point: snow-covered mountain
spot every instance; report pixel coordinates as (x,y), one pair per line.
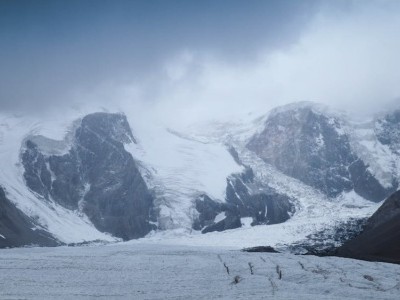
(314,147)
(277,179)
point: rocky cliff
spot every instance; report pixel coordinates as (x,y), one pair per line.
(96,176)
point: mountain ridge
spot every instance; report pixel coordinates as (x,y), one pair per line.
(177,167)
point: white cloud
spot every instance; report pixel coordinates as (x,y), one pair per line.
(346,59)
(350,61)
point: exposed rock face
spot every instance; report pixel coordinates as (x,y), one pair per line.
(381,238)
(307,146)
(267,207)
(243,200)
(208,210)
(311,146)
(96,175)
(16,229)
(230,222)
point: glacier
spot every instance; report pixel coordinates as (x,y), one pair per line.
(146,271)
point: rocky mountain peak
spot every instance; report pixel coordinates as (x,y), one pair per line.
(96,176)
(111,126)
(307,145)
(307,142)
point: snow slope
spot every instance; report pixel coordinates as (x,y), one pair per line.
(175,272)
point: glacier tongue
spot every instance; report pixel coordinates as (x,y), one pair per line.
(179,169)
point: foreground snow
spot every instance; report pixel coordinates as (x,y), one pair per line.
(144,271)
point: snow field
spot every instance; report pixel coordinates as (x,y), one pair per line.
(146,271)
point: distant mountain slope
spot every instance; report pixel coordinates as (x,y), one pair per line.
(381,238)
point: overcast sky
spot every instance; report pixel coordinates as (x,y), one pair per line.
(214,58)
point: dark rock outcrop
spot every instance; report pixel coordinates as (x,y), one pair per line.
(17,229)
(266,207)
(380,240)
(243,199)
(96,175)
(231,221)
(208,210)
(258,249)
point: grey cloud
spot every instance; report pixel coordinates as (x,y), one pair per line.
(200,60)
(51,49)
